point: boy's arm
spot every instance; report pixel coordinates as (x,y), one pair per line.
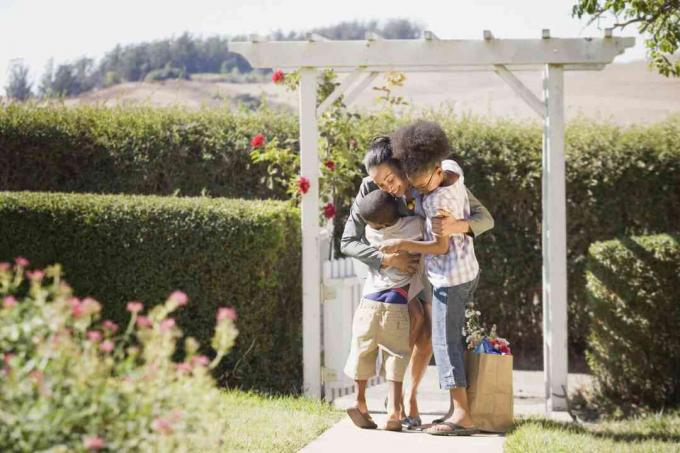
(438,246)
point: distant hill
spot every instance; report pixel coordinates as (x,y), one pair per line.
(624,93)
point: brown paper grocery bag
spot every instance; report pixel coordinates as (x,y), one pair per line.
(489,378)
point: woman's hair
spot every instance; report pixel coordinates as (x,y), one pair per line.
(379,152)
(419,146)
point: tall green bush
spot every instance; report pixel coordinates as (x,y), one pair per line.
(117,248)
(620,180)
(634,345)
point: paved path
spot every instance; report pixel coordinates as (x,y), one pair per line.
(344,437)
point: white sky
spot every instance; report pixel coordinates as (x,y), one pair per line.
(35,30)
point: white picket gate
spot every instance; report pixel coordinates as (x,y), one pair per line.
(342,281)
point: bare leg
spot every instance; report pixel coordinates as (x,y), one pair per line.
(420,359)
(394,401)
(361,396)
(459,413)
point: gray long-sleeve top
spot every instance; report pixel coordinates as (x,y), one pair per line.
(354,244)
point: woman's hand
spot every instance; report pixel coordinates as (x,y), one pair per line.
(445,225)
(403,262)
(391,246)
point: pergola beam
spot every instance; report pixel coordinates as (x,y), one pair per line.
(522,91)
(337,92)
(414,53)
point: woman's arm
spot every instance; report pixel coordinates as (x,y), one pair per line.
(353,245)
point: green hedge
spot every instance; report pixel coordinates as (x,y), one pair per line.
(620,181)
(135,150)
(118,248)
(634,347)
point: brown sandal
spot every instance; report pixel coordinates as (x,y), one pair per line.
(453,430)
(393,425)
(361,420)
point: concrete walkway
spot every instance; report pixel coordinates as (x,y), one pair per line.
(344,437)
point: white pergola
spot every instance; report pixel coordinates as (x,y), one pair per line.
(363,61)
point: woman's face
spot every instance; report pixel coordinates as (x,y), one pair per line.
(389,179)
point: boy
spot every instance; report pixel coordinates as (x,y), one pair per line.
(450,261)
(382,320)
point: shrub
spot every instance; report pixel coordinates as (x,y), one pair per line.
(159,151)
(70,382)
(634,343)
(118,248)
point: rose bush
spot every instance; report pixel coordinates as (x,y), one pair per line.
(72,382)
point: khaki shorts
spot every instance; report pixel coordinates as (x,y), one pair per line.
(379,328)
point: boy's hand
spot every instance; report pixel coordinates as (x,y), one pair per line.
(391,246)
(445,225)
(402,261)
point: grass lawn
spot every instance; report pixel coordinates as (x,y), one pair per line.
(655,433)
(274,424)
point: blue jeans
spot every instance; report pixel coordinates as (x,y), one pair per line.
(448,342)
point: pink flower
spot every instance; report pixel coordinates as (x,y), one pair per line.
(94,335)
(106,346)
(143,321)
(184,367)
(21,261)
(110,326)
(329,210)
(36,275)
(91,306)
(167,324)
(162,425)
(278,76)
(134,306)
(77,310)
(93,443)
(226,313)
(9,302)
(7,357)
(4,266)
(329,164)
(257,141)
(303,185)
(179,297)
(200,360)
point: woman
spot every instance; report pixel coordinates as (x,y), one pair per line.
(384,173)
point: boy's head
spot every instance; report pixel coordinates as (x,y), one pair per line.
(379,209)
(420,147)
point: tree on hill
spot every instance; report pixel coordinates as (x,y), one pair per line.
(659,20)
(18,87)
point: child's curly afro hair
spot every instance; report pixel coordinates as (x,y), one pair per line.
(419,146)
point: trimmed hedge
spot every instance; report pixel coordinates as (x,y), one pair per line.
(136,150)
(118,248)
(620,181)
(634,343)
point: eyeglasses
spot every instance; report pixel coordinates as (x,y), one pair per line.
(427,184)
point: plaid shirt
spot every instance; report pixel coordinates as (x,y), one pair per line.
(459,265)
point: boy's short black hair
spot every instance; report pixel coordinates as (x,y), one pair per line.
(380,208)
(419,146)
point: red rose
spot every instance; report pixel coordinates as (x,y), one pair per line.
(257,141)
(303,185)
(278,76)
(330,165)
(329,210)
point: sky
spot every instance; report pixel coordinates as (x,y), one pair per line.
(36,30)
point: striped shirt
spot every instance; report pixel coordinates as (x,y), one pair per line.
(459,265)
